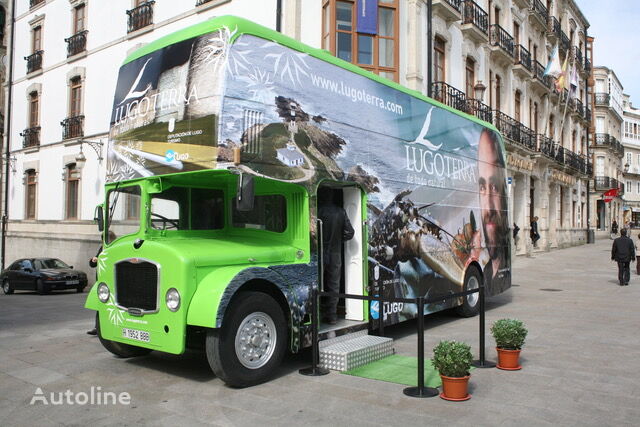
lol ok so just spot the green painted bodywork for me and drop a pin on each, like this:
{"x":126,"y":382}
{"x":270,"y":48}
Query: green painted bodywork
{"x":199,"y":264}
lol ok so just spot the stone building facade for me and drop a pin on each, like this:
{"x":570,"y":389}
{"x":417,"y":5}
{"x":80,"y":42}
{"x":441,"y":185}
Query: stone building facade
{"x":607,"y":150}
{"x":631,"y":168}
{"x":488,"y":60}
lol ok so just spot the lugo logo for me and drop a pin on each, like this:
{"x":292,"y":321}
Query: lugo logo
{"x":374,"y":309}
{"x":172,"y":156}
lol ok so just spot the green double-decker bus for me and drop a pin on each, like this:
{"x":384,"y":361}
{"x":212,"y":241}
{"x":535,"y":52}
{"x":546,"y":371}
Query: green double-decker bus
{"x":222,"y":136}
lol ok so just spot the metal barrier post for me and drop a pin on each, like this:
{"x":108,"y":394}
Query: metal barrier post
{"x":482,"y":363}
{"x":421,"y":390}
{"x":314,"y":370}
{"x":381,"y":309}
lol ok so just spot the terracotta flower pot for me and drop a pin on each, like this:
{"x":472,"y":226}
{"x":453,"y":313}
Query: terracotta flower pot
{"x":455,"y":388}
{"x":508,"y":359}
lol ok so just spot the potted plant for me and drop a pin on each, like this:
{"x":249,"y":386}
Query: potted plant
{"x":453,"y":360}
{"x":509,"y":335}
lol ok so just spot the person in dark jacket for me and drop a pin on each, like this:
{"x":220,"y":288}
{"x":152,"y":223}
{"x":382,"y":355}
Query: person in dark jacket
{"x":623,"y":252}
{"x":535,"y":236}
{"x":336,"y":229}
{"x":614,"y":227}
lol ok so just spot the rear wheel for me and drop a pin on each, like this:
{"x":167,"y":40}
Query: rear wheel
{"x":252,"y":342}
{"x":118,"y":348}
{"x":6,"y":287}
{"x":471,"y":303}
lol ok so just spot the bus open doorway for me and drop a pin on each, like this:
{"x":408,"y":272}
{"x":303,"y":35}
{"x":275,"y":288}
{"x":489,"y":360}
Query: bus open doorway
{"x":350,"y":313}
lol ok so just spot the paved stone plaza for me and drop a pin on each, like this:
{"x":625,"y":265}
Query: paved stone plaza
{"x":579,"y":364}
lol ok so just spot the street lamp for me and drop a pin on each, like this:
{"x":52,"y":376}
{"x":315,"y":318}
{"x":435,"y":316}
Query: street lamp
{"x":478,"y":90}
{"x":81,"y":160}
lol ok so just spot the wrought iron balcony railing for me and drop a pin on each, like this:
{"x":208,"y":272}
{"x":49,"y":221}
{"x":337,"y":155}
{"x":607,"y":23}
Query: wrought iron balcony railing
{"x":515,"y":131}
{"x":35,"y":2}
{"x":141,"y":16}
{"x":587,"y":65}
{"x":34,"y":61}
{"x":565,"y":44}
{"x":498,"y":36}
{"x":523,"y":57}
{"x":450,"y":96}
{"x":540,"y":10}
{"x":579,"y":108}
{"x":604,"y":183}
{"x":72,"y":127}
{"x":201,"y":2}
{"x":474,"y":14}
{"x":602,"y":99}
{"x":587,"y":113}
{"x":538,"y":71}
{"x":558,"y":153}
{"x":554,"y":26}
{"x":77,"y":43}
{"x":545,"y":145}
{"x":31,"y":137}
{"x":456,"y":4}
{"x":578,"y":55}
{"x":480,"y":110}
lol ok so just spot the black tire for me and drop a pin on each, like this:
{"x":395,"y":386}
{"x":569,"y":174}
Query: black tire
{"x":41,"y":288}
{"x":80,"y":289}
{"x":471,"y":303}
{"x":119,"y":349}
{"x":6,"y":287}
{"x":243,"y":371}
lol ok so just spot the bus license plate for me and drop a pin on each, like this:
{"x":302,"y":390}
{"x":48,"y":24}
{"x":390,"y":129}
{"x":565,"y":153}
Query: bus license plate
{"x":135,"y":334}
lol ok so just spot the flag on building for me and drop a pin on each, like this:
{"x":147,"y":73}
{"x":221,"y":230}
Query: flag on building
{"x":561,"y":80}
{"x":574,"y":81}
{"x":553,"y":67}
{"x":609,"y":195}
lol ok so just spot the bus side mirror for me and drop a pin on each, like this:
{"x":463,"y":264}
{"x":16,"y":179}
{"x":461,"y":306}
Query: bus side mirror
{"x":99,"y":217}
{"x":245,"y":193}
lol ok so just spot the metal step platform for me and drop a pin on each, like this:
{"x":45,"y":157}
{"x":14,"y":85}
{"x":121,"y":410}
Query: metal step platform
{"x":353,"y":350}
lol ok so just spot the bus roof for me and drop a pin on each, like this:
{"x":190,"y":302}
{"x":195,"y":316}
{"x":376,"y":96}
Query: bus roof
{"x":244,"y":26}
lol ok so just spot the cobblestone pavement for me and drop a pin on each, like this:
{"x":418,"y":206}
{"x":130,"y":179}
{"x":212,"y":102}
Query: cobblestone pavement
{"x":579,"y":364}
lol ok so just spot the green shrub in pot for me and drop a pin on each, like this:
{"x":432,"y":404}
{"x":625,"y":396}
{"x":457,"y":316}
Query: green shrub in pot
{"x":509,"y":334}
{"x":452,"y":358}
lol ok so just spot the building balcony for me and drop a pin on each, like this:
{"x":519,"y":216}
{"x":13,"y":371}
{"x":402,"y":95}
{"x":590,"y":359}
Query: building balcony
{"x":72,"y":127}
{"x":565,"y":44}
{"x":522,"y":4}
{"x":31,"y":137}
{"x":201,"y":2}
{"x":545,"y":146}
{"x":34,"y":61}
{"x":607,"y":141}
{"x":553,"y":29}
{"x":501,"y":44}
{"x":575,"y":161}
{"x":579,"y":109}
{"x":480,"y":110}
{"x":538,"y":14}
{"x":77,"y":43}
{"x":140,"y":17}
{"x":587,"y":114}
{"x":33,"y":3}
{"x":606,"y":183}
{"x":522,"y":65}
{"x":587,"y":66}
{"x":540,"y":82}
{"x":577,"y":53}
{"x":557,"y":153}
{"x":449,"y":10}
{"x":449,"y":95}
{"x":602,"y":99}
{"x":475,"y":22}
{"x":515,"y":132}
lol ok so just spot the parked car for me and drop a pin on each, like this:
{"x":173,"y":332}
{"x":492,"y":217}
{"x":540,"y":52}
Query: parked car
{"x":42,"y":275}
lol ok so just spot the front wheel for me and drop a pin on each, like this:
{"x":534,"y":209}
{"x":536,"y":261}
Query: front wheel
{"x":41,"y":288}
{"x":252,"y":342}
{"x":6,"y":287}
{"x":118,"y":348}
{"x":471,"y":303}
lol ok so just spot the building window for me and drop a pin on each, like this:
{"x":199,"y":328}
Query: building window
{"x":79,"y":18}
{"x":498,"y":89}
{"x":470,"y":77}
{"x":629,"y":159}
{"x":516,"y":106}
{"x":72,"y":178}
{"x":439,"y":60}
{"x":552,"y":131}
{"x":36,"y":37}
{"x":75,"y":97}
{"x":638,"y":187}
{"x":628,"y":187}
{"x":516,"y":33}
{"x":377,"y":53}
{"x":574,"y":147}
{"x":535,"y":117}
{"x":561,"y":210}
{"x":34,"y":107}
{"x":30,"y":194}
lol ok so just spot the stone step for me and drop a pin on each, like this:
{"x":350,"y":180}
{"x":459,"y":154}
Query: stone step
{"x":353,"y":350}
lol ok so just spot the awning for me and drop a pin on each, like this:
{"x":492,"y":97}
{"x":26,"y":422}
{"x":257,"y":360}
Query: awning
{"x":635,"y":209}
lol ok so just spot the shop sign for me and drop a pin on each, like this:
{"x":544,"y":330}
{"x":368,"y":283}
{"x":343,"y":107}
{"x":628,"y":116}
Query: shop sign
{"x":519,"y":163}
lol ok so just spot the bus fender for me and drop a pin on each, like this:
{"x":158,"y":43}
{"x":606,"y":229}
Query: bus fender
{"x":92,"y":302}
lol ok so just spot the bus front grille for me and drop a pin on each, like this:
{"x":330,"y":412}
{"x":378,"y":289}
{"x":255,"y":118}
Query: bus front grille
{"x":137,"y":285}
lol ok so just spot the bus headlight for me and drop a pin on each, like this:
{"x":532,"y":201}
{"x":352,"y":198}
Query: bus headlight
{"x":103,"y":292}
{"x":173,"y":299}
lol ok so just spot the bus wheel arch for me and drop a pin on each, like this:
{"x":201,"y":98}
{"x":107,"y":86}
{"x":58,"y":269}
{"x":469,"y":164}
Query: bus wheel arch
{"x":473,"y":279}
{"x":252,"y":341}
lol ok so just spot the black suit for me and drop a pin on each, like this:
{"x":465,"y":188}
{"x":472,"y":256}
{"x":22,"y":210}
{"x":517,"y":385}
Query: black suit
{"x":623,"y":251}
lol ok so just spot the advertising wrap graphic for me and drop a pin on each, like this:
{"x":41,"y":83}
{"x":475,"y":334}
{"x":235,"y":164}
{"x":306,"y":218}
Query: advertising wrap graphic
{"x":434,"y":181}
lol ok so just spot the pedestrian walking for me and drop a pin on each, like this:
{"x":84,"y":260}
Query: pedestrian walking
{"x":614,"y":229}
{"x":623,"y":252}
{"x":535,"y":236}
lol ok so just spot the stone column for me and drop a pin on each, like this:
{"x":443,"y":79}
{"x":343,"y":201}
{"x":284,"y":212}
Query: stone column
{"x":542,"y":211}
{"x":292,"y":11}
{"x":414,"y":45}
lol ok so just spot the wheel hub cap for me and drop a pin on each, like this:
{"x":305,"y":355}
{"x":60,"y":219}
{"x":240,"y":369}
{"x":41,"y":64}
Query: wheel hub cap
{"x":472,"y":299}
{"x":255,"y":340}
